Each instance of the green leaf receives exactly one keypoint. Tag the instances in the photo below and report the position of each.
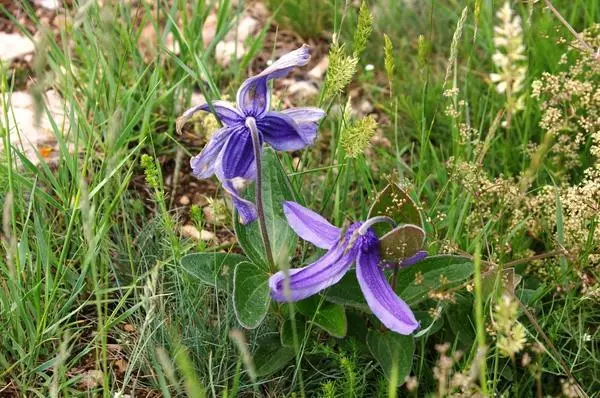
(287, 331)
(328, 316)
(429, 325)
(347, 292)
(394, 202)
(393, 352)
(276, 190)
(460, 319)
(250, 294)
(508, 282)
(401, 242)
(453, 269)
(213, 269)
(271, 356)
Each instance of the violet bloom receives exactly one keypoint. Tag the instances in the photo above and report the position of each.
(229, 154)
(357, 244)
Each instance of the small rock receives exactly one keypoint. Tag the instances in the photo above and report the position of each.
(34, 137)
(91, 379)
(227, 50)
(365, 107)
(14, 45)
(48, 4)
(319, 70)
(209, 30)
(303, 90)
(189, 231)
(246, 27)
(207, 235)
(184, 200)
(296, 163)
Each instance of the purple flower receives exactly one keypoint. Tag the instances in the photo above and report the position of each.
(357, 244)
(229, 154)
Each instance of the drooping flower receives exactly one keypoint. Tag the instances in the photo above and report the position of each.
(356, 244)
(229, 154)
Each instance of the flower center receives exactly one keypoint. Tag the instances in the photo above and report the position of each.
(362, 236)
(251, 122)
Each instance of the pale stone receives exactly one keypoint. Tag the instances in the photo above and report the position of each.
(365, 107)
(189, 231)
(48, 4)
(319, 70)
(25, 133)
(303, 89)
(226, 51)
(14, 45)
(246, 27)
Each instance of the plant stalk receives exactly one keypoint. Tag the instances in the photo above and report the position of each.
(257, 146)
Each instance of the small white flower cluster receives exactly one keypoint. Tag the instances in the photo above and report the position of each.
(509, 58)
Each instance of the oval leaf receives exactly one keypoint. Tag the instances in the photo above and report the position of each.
(401, 242)
(327, 316)
(286, 332)
(213, 269)
(347, 292)
(393, 352)
(271, 356)
(434, 273)
(394, 202)
(250, 294)
(276, 190)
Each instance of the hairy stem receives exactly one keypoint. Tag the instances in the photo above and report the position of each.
(256, 144)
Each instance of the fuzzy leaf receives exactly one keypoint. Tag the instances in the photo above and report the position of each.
(271, 356)
(213, 269)
(347, 292)
(394, 202)
(286, 332)
(401, 242)
(443, 271)
(328, 316)
(250, 294)
(393, 352)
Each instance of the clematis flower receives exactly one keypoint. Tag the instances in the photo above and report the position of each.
(357, 244)
(229, 154)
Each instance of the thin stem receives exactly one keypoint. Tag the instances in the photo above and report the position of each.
(256, 144)
(557, 14)
(479, 321)
(549, 344)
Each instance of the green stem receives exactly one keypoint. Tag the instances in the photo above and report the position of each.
(481, 347)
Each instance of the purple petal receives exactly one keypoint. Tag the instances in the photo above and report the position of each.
(282, 133)
(307, 119)
(253, 97)
(307, 281)
(394, 313)
(311, 226)
(237, 157)
(203, 164)
(226, 112)
(305, 115)
(245, 208)
(418, 256)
